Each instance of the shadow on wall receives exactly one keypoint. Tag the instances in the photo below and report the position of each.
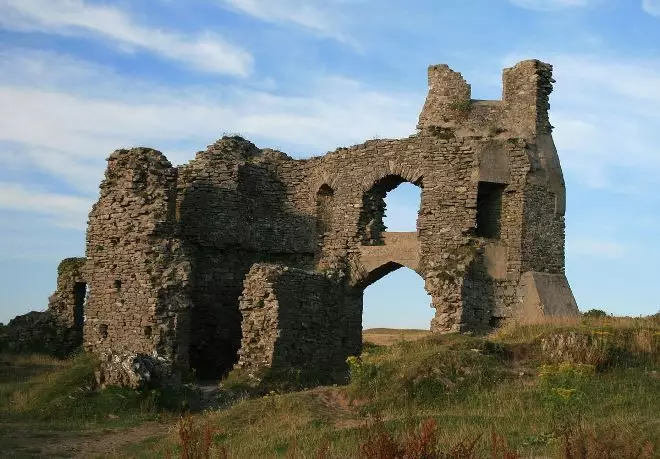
(226, 227)
(478, 296)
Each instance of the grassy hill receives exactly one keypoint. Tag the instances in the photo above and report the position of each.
(586, 388)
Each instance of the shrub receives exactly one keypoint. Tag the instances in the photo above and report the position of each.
(579, 443)
(196, 441)
(422, 443)
(595, 313)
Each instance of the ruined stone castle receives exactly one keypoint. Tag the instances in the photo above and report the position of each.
(245, 257)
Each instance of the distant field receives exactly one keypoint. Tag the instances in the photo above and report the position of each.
(389, 336)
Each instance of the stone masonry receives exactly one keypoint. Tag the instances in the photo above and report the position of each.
(245, 257)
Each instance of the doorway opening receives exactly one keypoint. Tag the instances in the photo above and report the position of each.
(396, 306)
(79, 302)
(394, 297)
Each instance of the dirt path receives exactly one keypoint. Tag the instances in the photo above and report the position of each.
(29, 440)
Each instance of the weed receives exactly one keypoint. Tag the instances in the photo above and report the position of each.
(580, 443)
(196, 441)
(442, 132)
(461, 108)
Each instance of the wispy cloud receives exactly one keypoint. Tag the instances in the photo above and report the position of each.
(550, 5)
(205, 52)
(64, 126)
(652, 7)
(318, 16)
(603, 111)
(64, 210)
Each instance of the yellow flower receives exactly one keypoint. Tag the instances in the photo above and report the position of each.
(564, 393)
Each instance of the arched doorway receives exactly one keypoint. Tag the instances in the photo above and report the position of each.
(394, 296)
(397, 300)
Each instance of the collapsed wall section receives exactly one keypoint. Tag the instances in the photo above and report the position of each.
(234, 209)
(57, 331)
(522, 112)
(67, 303)
(137, 270)
(298, 320)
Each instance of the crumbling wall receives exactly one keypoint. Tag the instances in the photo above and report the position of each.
(298, 321)
(57, 331)
(169, 249)
(137, 269)
(40, 332)
(233, 211)
(67, 303)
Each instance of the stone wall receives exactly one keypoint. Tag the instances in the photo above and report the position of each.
(170, 250)
(40, 332)
(67, 303)
(57, 331)
(137, 270)
(298, 321)
(233, 210)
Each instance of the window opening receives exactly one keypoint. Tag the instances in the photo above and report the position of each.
(489, 209)
(324, 201)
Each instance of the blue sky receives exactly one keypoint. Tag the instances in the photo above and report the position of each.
(79, 79)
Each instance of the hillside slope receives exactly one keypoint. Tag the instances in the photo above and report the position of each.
(585, 388)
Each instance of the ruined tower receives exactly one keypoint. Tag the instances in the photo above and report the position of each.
(246, 257)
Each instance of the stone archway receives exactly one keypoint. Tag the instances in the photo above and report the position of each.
(396, 250)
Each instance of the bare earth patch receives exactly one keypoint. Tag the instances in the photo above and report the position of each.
(30, 440)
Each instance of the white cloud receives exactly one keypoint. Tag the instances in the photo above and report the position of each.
(205, 52)
(652, 7)
(604, 113)
(318, 16)
(65, 124)
(595, 248)
(65, 211)
(550, 5)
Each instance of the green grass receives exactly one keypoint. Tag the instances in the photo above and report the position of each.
(38, 388)
(471, 386)
(50, 407)
(603, 399)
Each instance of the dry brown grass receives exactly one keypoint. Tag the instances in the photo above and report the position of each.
(389, 336)
(526, 331)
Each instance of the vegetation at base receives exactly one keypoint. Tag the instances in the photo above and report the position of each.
(445, 396)
(505, 395)
(42, 389)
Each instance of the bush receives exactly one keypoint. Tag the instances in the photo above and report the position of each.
(422, 443)
(595, 313)
(580, 443)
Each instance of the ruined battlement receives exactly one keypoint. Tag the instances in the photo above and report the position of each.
(522, 111)
(246, 252)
